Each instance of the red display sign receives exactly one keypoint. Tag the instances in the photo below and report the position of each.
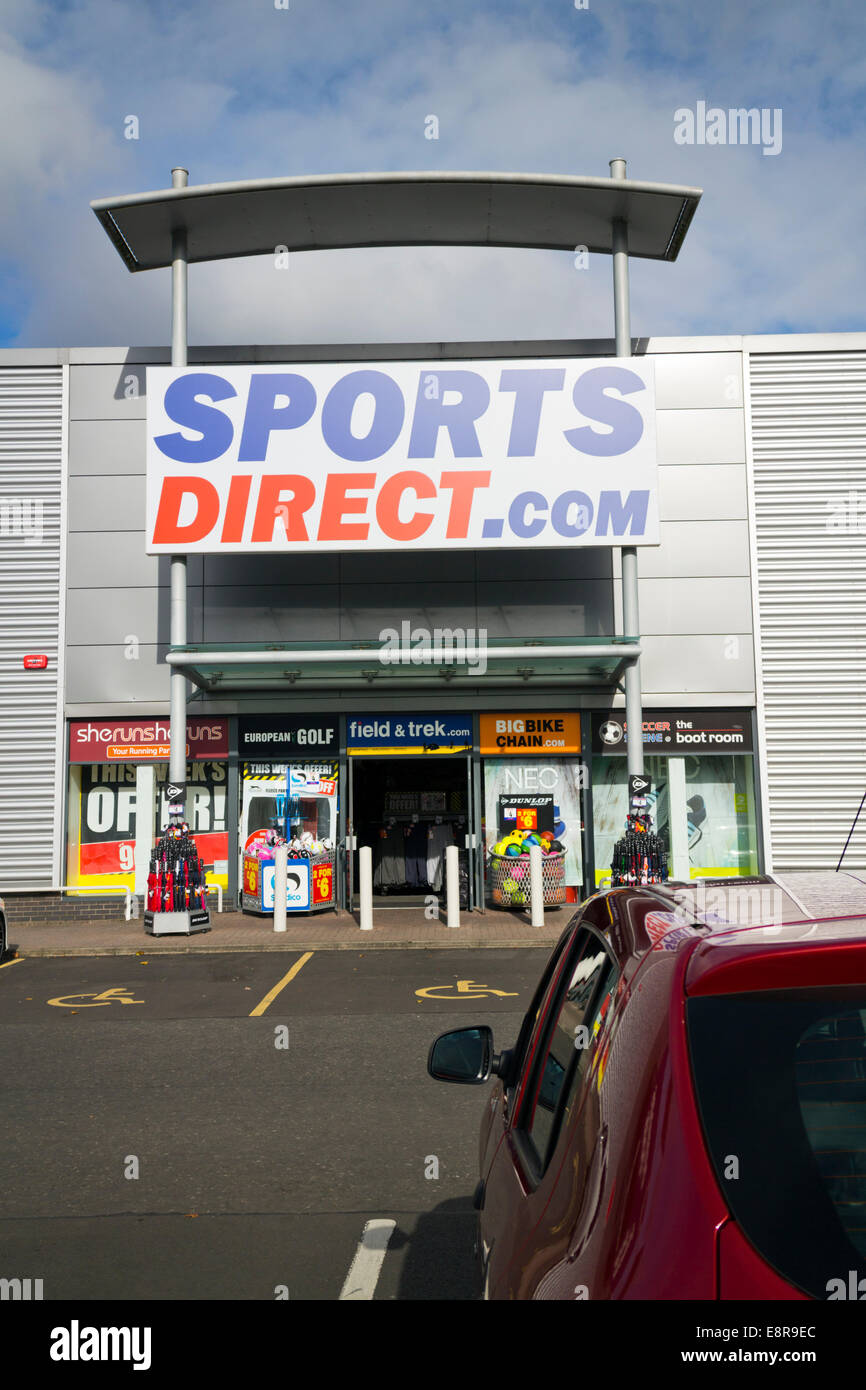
(35, 663)
(251, 877)
(144, 740)
(323, 883)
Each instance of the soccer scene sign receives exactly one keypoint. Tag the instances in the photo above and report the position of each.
(402, 455)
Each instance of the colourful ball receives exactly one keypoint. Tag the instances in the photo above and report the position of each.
(512, 851)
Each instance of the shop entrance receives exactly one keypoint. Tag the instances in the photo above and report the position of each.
(408, 810)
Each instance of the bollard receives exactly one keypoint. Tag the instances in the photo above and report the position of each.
(281, 867)
(365, 886)
(536, 885)
(452, 885)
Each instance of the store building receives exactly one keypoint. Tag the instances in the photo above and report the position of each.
(422, 590)
(751, 608)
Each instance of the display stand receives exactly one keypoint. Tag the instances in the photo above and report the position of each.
(176, 923)
(176, 887)
(311, 883)
(510, 883)
(640, 857)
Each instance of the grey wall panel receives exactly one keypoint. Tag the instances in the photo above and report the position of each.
(809, 447)
(101, 674)
(107, 616)
(703, 492)
(698, 380)
(691, 549)
(31, 499)
(369, 608)
(107, 504)
(532, 608)
(96, 560)
(701, 436)
(107, 446)
(293, 613)
(696, 666)
(699, 606)
(99, 392)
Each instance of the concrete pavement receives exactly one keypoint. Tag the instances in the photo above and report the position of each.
(815, 894)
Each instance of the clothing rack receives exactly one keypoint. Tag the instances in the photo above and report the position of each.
(402, 859)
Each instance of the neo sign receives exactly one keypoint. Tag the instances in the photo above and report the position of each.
(548, 452)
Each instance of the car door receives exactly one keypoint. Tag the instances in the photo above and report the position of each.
(559, 1050)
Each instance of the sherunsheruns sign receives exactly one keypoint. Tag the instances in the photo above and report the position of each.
(395, 456)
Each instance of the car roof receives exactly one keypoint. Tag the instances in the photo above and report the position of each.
(791, 955)
(748, 943)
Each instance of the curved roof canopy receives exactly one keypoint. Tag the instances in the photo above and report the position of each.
(331, 211)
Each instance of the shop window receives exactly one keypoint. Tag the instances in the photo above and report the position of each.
(710, 806)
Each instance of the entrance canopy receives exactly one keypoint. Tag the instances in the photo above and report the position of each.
(539, 211)
(579, 662)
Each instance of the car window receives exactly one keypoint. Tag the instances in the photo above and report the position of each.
(522, 1048)
(781, 1085)
(569, 1046)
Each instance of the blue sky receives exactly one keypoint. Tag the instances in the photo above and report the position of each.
(238, 88)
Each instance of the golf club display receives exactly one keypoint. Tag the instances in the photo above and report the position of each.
(176, 885)
(640, 856)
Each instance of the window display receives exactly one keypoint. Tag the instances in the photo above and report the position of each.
(548, 791)
(712, 794)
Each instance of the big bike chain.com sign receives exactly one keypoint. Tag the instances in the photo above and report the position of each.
(390, 456)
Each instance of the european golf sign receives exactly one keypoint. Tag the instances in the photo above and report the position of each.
(402, 455)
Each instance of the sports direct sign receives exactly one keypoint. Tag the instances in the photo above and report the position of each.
(395, 456)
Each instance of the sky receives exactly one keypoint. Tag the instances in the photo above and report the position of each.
(237, 89)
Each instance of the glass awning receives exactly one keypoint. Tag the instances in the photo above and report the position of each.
(575, 662)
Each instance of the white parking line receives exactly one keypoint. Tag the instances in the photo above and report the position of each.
(366, 1267)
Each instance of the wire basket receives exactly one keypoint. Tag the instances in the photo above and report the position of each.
(508, 879)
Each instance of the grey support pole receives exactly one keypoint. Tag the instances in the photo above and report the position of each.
(177, 763)
(630, 619)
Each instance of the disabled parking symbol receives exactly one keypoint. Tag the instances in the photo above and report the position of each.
(462, 989)
(119, 995)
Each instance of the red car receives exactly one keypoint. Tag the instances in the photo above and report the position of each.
(683, 1115)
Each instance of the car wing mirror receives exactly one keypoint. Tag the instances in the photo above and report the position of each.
(464, 1056)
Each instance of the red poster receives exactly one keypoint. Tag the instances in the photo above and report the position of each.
(251, 877)
(323, 883)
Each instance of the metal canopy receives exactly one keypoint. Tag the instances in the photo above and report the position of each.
(326, 212)
(582, 662)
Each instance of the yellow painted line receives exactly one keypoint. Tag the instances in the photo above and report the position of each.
(287, 979)
(17, 961)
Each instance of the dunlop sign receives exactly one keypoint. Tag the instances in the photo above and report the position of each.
(395, 456)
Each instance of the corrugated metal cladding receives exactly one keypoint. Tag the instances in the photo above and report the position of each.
(31, 464)
(809, 447)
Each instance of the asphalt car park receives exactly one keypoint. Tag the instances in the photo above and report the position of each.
(224, 1127)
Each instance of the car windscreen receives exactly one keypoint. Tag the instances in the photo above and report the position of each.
(780, 1079)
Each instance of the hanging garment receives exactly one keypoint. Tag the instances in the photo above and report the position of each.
(390, 867)
(416, 854)
(439, 838)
